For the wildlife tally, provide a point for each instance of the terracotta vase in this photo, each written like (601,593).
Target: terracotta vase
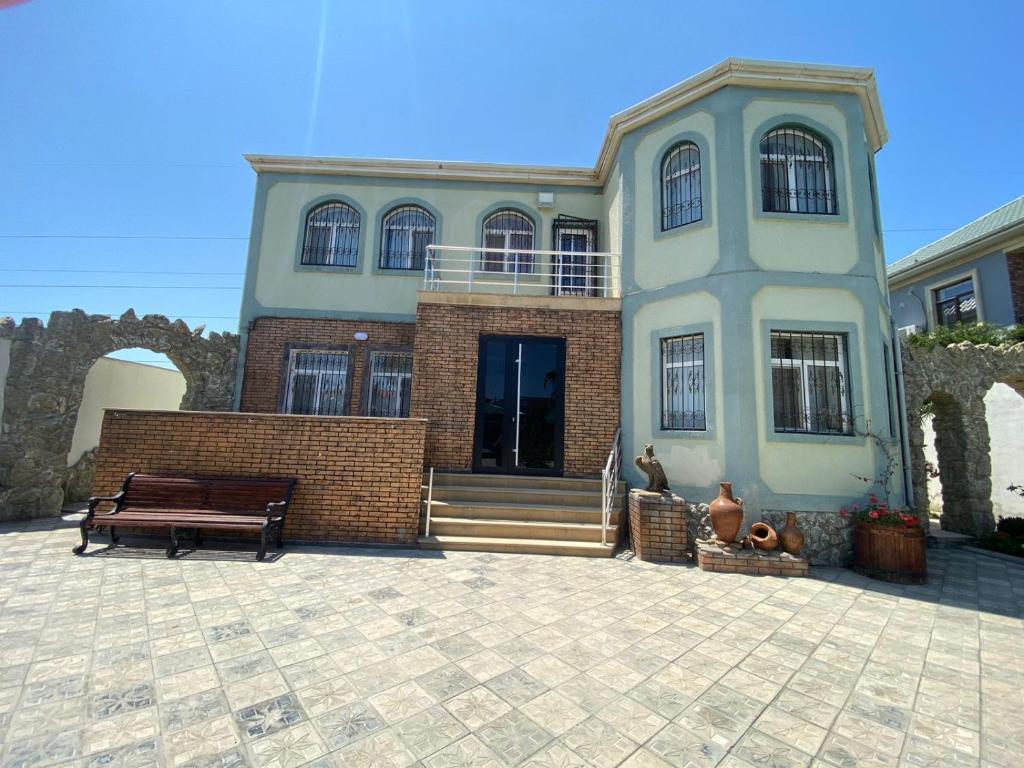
(791,537)
(763,536)
(726,515)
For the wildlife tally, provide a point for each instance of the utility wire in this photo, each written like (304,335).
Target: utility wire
(161,287)
(117,271)
(120,237)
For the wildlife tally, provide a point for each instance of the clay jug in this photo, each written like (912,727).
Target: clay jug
(763,536)
(726,515)
(791,537)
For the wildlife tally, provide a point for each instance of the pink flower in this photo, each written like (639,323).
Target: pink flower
(874,514)
(872,499)
(855,507)
(844,512)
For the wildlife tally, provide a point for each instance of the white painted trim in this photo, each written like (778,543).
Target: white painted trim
(930,289)
(738,72)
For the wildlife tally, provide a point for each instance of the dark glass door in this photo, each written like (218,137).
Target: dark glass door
(520,405)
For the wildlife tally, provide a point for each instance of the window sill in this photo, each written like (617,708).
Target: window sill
(327,268)
(818,218)
(812,437)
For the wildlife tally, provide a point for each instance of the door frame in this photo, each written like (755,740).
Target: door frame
(510,382)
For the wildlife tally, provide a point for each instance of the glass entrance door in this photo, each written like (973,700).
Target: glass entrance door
(520,405)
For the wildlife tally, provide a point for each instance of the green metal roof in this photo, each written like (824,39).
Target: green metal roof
(991,223)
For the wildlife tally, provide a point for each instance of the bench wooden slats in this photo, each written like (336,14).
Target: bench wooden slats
(196,503)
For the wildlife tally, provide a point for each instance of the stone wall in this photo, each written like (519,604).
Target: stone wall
(359,479)
(46,381)
(1015,266)
(952,381)
(266,362)
(445,377)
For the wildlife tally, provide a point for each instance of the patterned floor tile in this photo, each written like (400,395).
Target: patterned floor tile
(346,724)
(470,752)
(429,731)
(269,716)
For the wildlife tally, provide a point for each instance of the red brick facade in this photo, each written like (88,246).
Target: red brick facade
(358,479)
(658,527)
(1015,265)
(266,360)
(445,373)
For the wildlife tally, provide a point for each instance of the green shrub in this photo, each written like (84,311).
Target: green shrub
(1011,526)
(975,333)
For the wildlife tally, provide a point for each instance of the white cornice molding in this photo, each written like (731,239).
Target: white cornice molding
(738,72)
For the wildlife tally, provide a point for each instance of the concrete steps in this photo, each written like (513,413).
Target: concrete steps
(514,513)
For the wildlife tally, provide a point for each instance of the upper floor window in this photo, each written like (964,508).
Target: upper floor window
(956,303)
(681,200)
(682,382)
(332,235)
(809,377)
(407,231)
(317,382)
(512,232)
(797,173)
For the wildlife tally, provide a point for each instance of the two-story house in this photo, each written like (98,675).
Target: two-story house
(714,285)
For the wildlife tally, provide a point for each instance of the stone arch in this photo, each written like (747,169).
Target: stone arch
(953,381)
(46,381)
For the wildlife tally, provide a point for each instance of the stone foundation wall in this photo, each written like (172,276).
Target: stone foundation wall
(266,355)
(358,478)
(445,377)
(828,538)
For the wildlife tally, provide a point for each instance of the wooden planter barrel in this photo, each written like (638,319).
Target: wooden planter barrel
(890,553)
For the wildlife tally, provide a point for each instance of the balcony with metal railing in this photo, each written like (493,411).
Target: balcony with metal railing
(528,273)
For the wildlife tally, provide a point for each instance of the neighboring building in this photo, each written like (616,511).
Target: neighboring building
(715,285)
(975,274)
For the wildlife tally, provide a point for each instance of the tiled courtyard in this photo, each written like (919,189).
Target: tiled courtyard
(360,657)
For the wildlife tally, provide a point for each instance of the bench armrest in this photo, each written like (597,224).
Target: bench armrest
(277,509)
(94,500)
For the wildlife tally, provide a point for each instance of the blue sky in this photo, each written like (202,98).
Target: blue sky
(122,124)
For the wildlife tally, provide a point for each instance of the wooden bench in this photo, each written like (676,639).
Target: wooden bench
(194,503)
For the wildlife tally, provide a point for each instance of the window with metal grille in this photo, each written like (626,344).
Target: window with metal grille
(317,382)
(389,384)
(406,233)
(332,236)
(682,382)
(797,174)
(575,272)
(956,303)
(509,230)
(681,200)
(809,377)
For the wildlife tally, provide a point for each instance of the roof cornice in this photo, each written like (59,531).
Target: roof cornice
(737,72)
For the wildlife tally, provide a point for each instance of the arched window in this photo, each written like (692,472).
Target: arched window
(511,231)
(681,200)
(332,235)
(797,174)
(406,232)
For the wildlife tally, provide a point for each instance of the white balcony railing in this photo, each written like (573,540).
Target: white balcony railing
(523,273)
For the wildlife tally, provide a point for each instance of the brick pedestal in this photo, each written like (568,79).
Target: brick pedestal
(752,562)
(657,523)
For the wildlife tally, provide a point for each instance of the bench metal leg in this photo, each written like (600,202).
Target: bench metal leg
(199,537)
(114,538)
(262,551)
(84,525)
(280,534)
(172,548)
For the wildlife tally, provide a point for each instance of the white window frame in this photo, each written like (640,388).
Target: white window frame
(803,364)
(294,369)
(667,178)
(509,265)
(791,183)
(406,231)
(667,365)
(561,266)
(353,223)
(398,375)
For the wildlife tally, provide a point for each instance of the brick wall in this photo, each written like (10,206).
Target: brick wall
(1015,264)
(445,368)
(658,527)
(266,363)
(358,479)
